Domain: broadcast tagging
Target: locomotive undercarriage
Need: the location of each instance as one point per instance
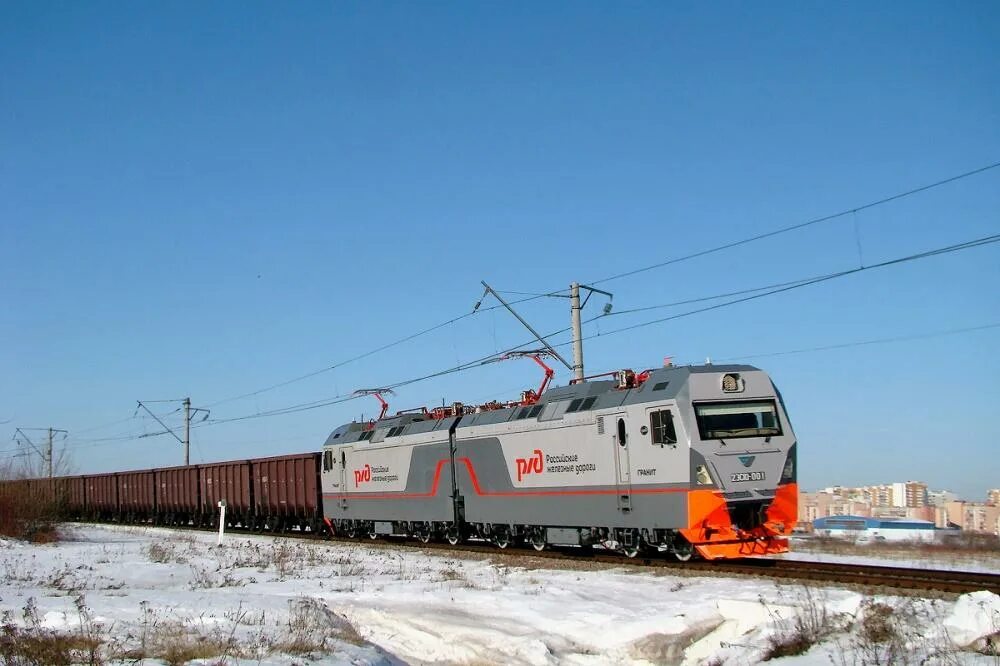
(629, 542)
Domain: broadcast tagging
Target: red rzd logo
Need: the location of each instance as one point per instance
(525, 466)
(362, 475)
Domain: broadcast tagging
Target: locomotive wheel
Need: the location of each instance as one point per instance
(452, 537)
(351, 530)
(424, 535)
(537, 539)
(630, 551)
(684, 552)
(501, 537)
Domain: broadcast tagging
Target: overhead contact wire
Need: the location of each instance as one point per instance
(802, 225)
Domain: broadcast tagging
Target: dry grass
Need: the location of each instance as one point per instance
(46, 647)
(31, 644)
(312, 630)
(964, 544)
(24, 517)
(811, 624)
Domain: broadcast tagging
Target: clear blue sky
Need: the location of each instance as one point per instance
(205, 200)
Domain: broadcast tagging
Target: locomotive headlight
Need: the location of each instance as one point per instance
(733, 383)
(702, 476)
(788, 473)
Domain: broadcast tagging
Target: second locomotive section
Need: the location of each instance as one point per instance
(680, 459)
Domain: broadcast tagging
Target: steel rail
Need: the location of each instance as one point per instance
(900, 580)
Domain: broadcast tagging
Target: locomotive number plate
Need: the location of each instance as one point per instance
(747, 476)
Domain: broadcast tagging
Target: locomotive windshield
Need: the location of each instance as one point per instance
(726, 420)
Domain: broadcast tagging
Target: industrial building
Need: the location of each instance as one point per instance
(863, 529)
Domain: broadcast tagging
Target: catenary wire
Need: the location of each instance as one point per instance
(986, 240)
(376, 350)
(801, 225)
(862, 343)
(488, 358)
(534, 296)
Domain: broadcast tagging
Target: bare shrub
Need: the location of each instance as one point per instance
(451, 573)
(350, 567)
(284, 558)
(164, 553)
(812, 623)
(206, 578)
(178, 643)
(34, 645)
(66, 580)
(878, 637)
(313, 628)
(902, 631)
(26, 513)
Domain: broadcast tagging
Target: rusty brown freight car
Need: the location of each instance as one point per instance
(287, 492)
(101, 496)
(75, 490)
(137, 495)
(177, 491)
(228, 481)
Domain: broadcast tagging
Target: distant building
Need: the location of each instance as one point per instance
(940, 497)
(905, 500)
(862, 529)
(879, 495)
(993, 496)
(909, 494)
(974, 516)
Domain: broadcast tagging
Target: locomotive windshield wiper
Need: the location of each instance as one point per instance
(743, 432)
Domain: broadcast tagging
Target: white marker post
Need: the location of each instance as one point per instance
(222, 520)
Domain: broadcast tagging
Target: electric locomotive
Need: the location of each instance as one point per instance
(687, 459)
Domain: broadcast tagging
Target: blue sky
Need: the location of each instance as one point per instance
(207, 200)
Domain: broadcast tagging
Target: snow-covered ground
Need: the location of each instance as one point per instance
(803, 548)
(258, 599)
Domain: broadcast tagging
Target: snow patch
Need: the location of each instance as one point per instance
(974, 616)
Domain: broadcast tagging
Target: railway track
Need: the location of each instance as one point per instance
(900, 580)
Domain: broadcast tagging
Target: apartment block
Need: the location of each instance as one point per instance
(940, 497)
(909, 494)
(974, 516)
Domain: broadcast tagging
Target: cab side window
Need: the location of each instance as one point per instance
(327, 461)
(661, 424)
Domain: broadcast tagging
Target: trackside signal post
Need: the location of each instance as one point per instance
(222, 521)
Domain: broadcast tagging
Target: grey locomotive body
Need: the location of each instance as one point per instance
(685, 459)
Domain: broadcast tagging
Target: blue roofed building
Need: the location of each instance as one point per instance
(864, 528)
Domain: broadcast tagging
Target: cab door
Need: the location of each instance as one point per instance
(623, 472)
(345, 455)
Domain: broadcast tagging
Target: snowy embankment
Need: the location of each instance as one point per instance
(165, 596)
(909, 555)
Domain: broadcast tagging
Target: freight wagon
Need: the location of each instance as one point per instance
(277, 493)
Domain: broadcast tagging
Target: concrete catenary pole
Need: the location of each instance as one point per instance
(187, 431)
(48, 453)
(574, 306)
